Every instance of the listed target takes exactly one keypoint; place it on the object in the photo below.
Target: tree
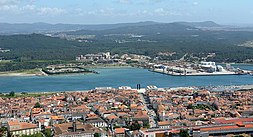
(48, 133)
(3, 129)
(135, 126)
(146, 125)
(86, 99)
(12, 94)
(34, 135)
(37, 105)
(24, 93)
(184, 133)
(97, 135)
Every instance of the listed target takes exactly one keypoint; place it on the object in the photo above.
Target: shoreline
(210, 88)
(16, 74)
(23, 73)
(193, 74)
(39, 72)
(109, 66)
(26, 73)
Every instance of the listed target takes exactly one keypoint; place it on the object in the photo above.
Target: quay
(194, 74)
(202, 69)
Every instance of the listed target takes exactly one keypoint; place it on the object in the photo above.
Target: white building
(94, 57)
(16, 128)
(207, 64)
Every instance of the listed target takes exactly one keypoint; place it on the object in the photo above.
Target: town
(181, 67)
(127, 112)
(107, 58)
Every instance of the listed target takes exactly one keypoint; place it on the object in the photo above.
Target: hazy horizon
(228, 24)
(125, 11)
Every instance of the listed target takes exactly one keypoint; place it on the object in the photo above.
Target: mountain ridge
(41, 27)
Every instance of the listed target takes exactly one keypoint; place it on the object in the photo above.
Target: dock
(202, 69)
(164, 71)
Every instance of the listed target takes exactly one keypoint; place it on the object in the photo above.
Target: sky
(122, 11)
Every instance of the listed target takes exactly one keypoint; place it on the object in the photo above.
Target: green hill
(147, 39)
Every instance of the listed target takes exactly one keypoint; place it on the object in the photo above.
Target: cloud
(27, 7)
(138, 1)
(8, 2)
(50, 11)
(124, 1)
(164, 12)
(156, 1)
(105, 12)
(195, 3)
(161, 12)
(7, 5)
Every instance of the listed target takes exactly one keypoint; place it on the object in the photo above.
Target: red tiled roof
(119, 130)
(226, 127)
(232, 120)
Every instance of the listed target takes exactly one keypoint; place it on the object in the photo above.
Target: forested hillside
(146, 39)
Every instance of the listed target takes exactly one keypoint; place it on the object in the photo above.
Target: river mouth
(116, 77)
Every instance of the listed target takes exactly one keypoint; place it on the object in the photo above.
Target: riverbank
(39, 72)
(98, 66)
(25, 94)
(113, 77)
(213, 89)
(23, 73)
(162, 71)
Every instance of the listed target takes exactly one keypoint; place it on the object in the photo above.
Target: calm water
(112, 77)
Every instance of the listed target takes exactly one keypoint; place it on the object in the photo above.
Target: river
(115, 77)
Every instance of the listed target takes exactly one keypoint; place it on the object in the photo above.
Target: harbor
(116, 77)
(202, 69)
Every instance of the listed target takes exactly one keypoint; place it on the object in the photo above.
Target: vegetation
(37, 51)
(184, 133)
(201, 106)
(48, 133)
(23, 94)
(146, 125)
(97, 135)
(12, 94)
(2, 129)
(37, 105)
(34, 135)
(86, 99)
(28, 66)
(134, 126)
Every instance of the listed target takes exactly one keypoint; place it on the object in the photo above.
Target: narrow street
(148, 108)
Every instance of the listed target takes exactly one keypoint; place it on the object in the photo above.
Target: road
(151, 112)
